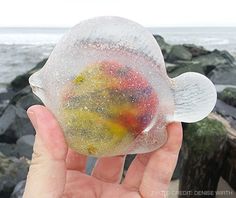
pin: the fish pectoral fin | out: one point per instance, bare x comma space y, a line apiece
194, 97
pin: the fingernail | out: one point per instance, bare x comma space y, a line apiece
32, 118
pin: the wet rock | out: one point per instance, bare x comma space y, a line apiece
3, 105
4, 100
6, 120
12, 171
216, 58
19, 190
196, 50
185, 66
165, 47
233, 124
26, 101
8, 150
228, 95
21, 81
204, 148
226, 55
18, 95
6, 95
223, 76
24, 146
216, 65
209, 129
225, 110
178, 52
25, 98
14, 123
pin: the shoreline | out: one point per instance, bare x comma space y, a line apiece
5, 81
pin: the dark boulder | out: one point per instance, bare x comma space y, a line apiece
165, 47
178, 52
25, 98
225, 110
8, 150
208, 128
216, 65
226, 55
223, 76
196, 50
12, 171
228, 95
4, 99
184, 66
19, 190
205, 150
21, 81
24, 146
216, 58
14, 123
233, 124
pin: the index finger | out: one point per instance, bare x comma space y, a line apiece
161, 165
76, 161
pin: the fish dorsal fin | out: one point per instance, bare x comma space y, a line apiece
194, 97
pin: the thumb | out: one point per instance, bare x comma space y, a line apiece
47, 173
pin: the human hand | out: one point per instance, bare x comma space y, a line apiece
58, 172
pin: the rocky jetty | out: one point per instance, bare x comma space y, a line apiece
17, 133
205, 151
12, 171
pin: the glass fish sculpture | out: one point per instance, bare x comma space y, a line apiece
106, 83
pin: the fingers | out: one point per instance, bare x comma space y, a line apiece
159, 169
134, 174
47, 173
76, 161
109, 169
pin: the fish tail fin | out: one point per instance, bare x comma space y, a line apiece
194, 97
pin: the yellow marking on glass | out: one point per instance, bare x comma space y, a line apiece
79, 79
94, 135
91, 150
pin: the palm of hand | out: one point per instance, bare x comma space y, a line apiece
57, 171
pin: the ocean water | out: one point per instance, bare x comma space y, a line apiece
22, 48
222, 38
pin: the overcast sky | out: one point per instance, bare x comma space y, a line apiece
66, 13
